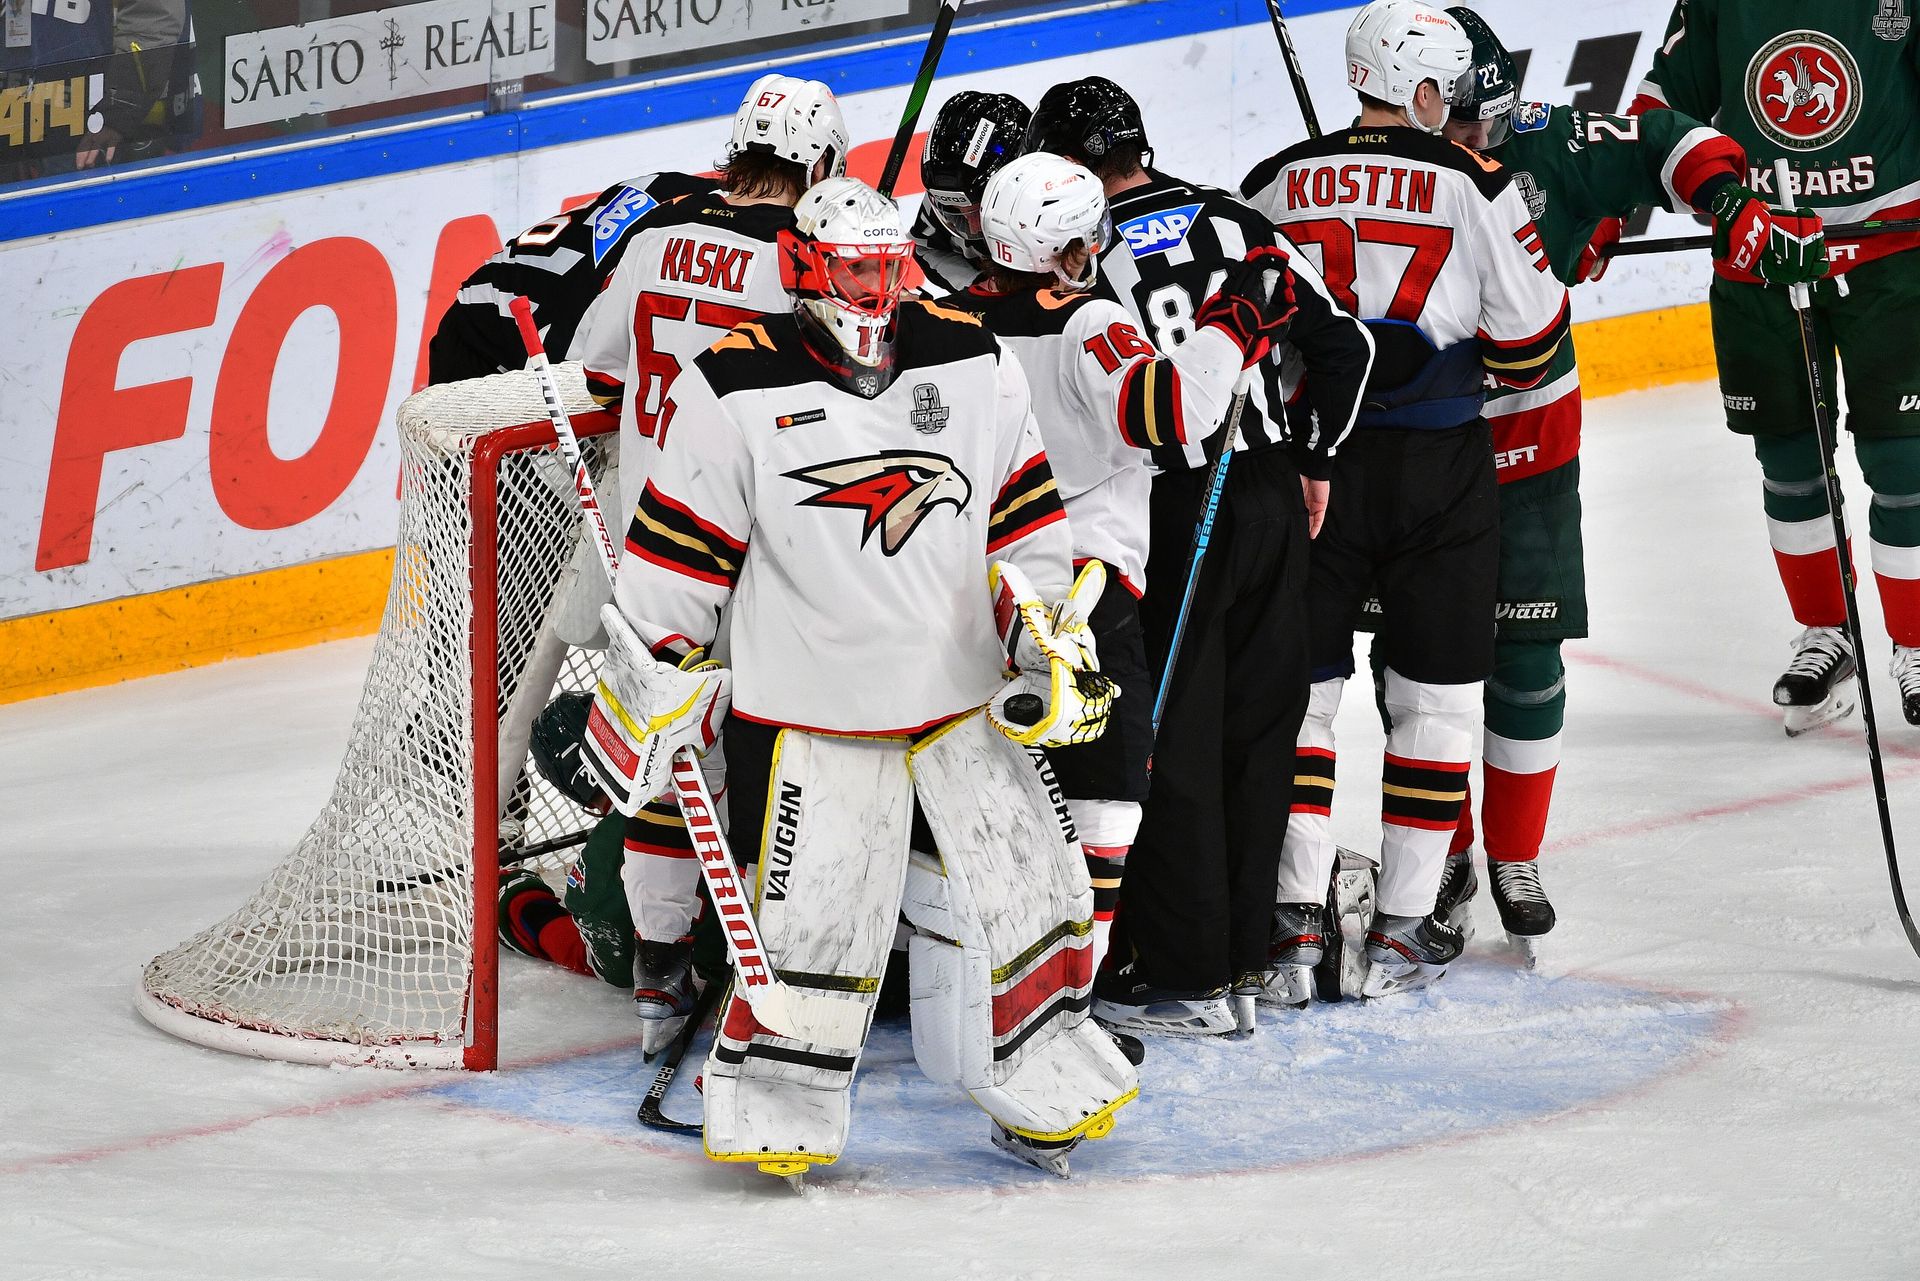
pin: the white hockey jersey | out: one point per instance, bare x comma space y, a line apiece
1103, 396
852, 535
695, 269
1408, 227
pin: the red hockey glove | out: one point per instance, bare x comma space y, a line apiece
1242, 308
1595, 258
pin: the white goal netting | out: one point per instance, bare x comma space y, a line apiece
361, 947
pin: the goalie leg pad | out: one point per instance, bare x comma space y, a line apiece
1002, 958
832, 843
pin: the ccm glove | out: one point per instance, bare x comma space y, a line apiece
1754, 242
1254, 303
1056, 694
644, 711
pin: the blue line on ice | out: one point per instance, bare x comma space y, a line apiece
1488, 1047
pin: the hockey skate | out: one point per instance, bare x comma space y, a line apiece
1299, 944
663, 992
1123, 1000
1049, 1155
1342, 971
1406, 953
1819, 684
1525, 911
1459, 885
1906, 678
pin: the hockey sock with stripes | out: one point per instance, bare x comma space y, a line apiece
1107, 829
1892, 468
1307, 853
1423, 785
1526, 708
534, 923
1794, 494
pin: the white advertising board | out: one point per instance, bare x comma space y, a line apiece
211, 393
621, 29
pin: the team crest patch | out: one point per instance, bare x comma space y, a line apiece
929, 415
1530, 192
894, 490
613, 222
576, 876
1891, 23
1529, 116
1158, 232
1803, 90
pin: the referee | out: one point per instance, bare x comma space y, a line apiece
1196, 905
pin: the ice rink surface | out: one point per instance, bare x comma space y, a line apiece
1710, 1075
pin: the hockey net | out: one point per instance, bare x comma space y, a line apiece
374, 943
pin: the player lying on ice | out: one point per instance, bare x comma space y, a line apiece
863, 482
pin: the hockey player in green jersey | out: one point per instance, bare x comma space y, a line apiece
1835, 89
1575, 168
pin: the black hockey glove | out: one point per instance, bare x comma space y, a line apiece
1242, 308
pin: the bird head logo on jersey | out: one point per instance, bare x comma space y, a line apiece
894, 490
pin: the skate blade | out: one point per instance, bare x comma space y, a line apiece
1047, 1160
1840, 703
1133, 1018
1390, 978
1245, 1017
1525, 947
1287, 987
656, 1034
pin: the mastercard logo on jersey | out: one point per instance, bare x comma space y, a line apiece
1157, 232
612, 222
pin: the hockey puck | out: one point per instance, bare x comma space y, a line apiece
1024, 709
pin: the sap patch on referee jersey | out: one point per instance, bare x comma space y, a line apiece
1158, 232
617, 218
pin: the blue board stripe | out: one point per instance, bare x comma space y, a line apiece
246, 174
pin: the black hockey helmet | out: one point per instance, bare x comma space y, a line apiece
1490, 89
1086, 121
972, 137
555, 745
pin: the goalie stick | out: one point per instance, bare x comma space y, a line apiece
777, 1005
1801, 297
917, 97
650, 1114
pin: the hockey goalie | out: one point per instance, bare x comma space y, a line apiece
863, 482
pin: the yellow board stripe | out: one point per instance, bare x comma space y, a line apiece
343, 596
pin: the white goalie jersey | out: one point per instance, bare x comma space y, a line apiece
852, 535
1103, 397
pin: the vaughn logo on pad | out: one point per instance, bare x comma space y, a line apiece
1156, 233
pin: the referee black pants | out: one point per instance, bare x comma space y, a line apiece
1197, 901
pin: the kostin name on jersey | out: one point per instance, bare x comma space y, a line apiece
1389, 186
700, 262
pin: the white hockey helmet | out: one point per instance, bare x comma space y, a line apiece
1036, 207
846, 261
1394, 45
794, 119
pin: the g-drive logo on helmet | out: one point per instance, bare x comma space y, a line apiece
1160, 231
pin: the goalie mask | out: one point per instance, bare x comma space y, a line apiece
555, 747
1037, 209
974, 135
793, 119
1485, 97
845, 263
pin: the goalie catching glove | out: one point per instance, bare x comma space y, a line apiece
1056, 695
646, 710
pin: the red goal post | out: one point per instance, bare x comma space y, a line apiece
374, 942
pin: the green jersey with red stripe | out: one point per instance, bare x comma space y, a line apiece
1576, 168
1832, 87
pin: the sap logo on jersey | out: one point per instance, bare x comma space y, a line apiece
612, 222
1156, 233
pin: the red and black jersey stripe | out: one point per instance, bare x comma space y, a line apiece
1523, 362
605, 389
1150, 405
1313, 780
1029, 500
670, 535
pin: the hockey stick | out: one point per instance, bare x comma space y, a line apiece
917, 96
1802, 298
650, 1114
520, 854
777, 1006
1675, 244
1292, 58
1203, 529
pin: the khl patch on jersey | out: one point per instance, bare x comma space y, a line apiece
1529, 116
617, 218
1156, 233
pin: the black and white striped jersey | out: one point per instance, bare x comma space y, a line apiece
559, 266
1173, 244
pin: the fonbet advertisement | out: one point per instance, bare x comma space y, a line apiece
211, 394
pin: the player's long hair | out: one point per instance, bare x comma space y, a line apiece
756, 175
